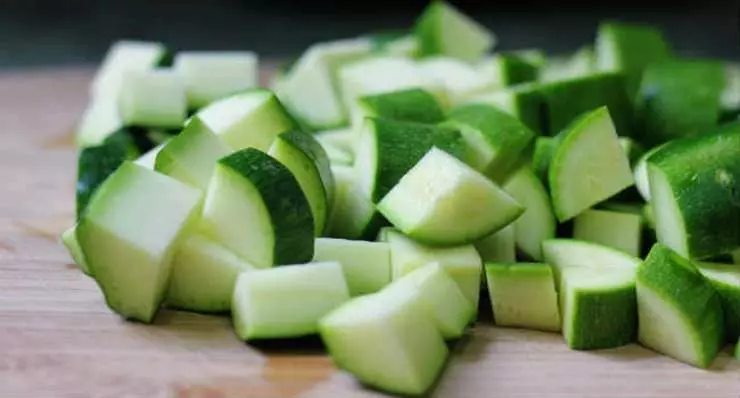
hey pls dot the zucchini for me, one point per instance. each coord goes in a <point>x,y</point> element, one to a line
<point>132,264</point>
<point>523,296</point>
<point>523,101</point>
<point>588,165</point>
<point>680,314</point>
<point>386,340</point>
<point>69,239</point>
<point>409,105</point>
<point>152,98</point>
<point>619,230</point>
<point>353,215</point>
<point>508,70</point>
<point>307,160</point>
<point>542,156</point>
<point>366,265</point>
<point>99,120</point>
<point>497,141</point>
<point>203,276</point>
<point>725,278</point>
<point>441,297</point>
<point>498,247</point>
<point>537,223</point>
<point>191,156</point>
<point>460,79</point>
<point>388,149</point>
<point>255,207</point>
<point>437,202</point>
<point>124,56</point>
<point>462,263</point>
<point>249,119</point>
<point>443,29</point>
<point>579,63</point>
<point>695,193</point>
<point>209,75</point>
<point>640,172</point>
<point>265,301</point>
<point>400,43</point>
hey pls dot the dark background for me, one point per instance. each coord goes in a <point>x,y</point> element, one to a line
<point>65,32</point>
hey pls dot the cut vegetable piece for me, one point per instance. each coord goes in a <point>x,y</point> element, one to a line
<point>588,165</point>
<point>598,307</point>
<point>343,138</point>
<point>96,163</point>
<point>523,101</point>
<point>580,63</point>
<point>498,247</point>
<point>497,141</point>
<point>523,296</point>
<point>130,263</point>
<point>353,215</point>
<point>203,276</point>
<point>255,208</point>
<point>680,314</point>
<point>399,43</point>
<point>568,99</point>
<point>191,156</point>
<point>695,191</point>
<point>442,299</point>
<point>537,223</point>
<point>629,48</point>
<point>508,69</point>
<point>642,182</point>
<point>99,120</point>
<point>679,98</point>
<point>124,56</point>
<point>210,75</point>
<point>438,202</point>
<point>385,74</point>
<point>149,159</point>
<point>725,279</point>
<point>409,105</point>
<point>69,239</point>
<point>366,265</point>
<point>462,263</point>
<point>542,156</point>
<point>386,340</point>
<point>443,29</point>
<point>619,230</point>
<point>307,160</point>
<point>459,79</point>
<point>153,98</point>
<point>265,301</point>
<point>388,149</point>
<point>311,90</point>
<point>566,253</point>
<point>249,119</point>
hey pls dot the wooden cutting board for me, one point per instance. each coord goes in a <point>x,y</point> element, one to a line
<point>58,339</point>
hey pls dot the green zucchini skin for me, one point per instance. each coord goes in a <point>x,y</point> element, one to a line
<point>411,105</point>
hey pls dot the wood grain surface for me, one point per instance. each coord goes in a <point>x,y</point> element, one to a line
<point>58,339</point>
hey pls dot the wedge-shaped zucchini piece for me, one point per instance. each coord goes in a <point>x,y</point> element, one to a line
<point>366,265</point>
<point>353,215</point>
<point>462,263</point>
<point>130,263</point>
<point>203,276</point>
<point>726,281</point>
<point>388,149</point>
<point>100,119</point>
<point>497,141</point>
<point>597,293</point>
<point>265,301</point>
<point>438,202</point>
<point>212,75</point>
<point>620,230</point>
<point>695,192</point>
<point>629,48</point>
<point>442,299</point>
<point>124,56</point>
<point>386,340</point>
<point>680,314</point>
<point>255,208</point>
<point>152,98</point>
<point>499,247</point>
<point>537,223</point>
<point>509,69</point>
<point>460,79</point>
<point>341,138</point>
<point>307,160</point>
<point>523,101</point>
<point>588,165</point>
<point>409,105</point>
<point>249,119</point>
<point>443,29</point>
<point>640,171</point>
<point>579,63</point>
<point>191,156</point>
<point>69,239</point>
<point>311,89</point>
<point>542,156</point>
<point>523,296</point>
